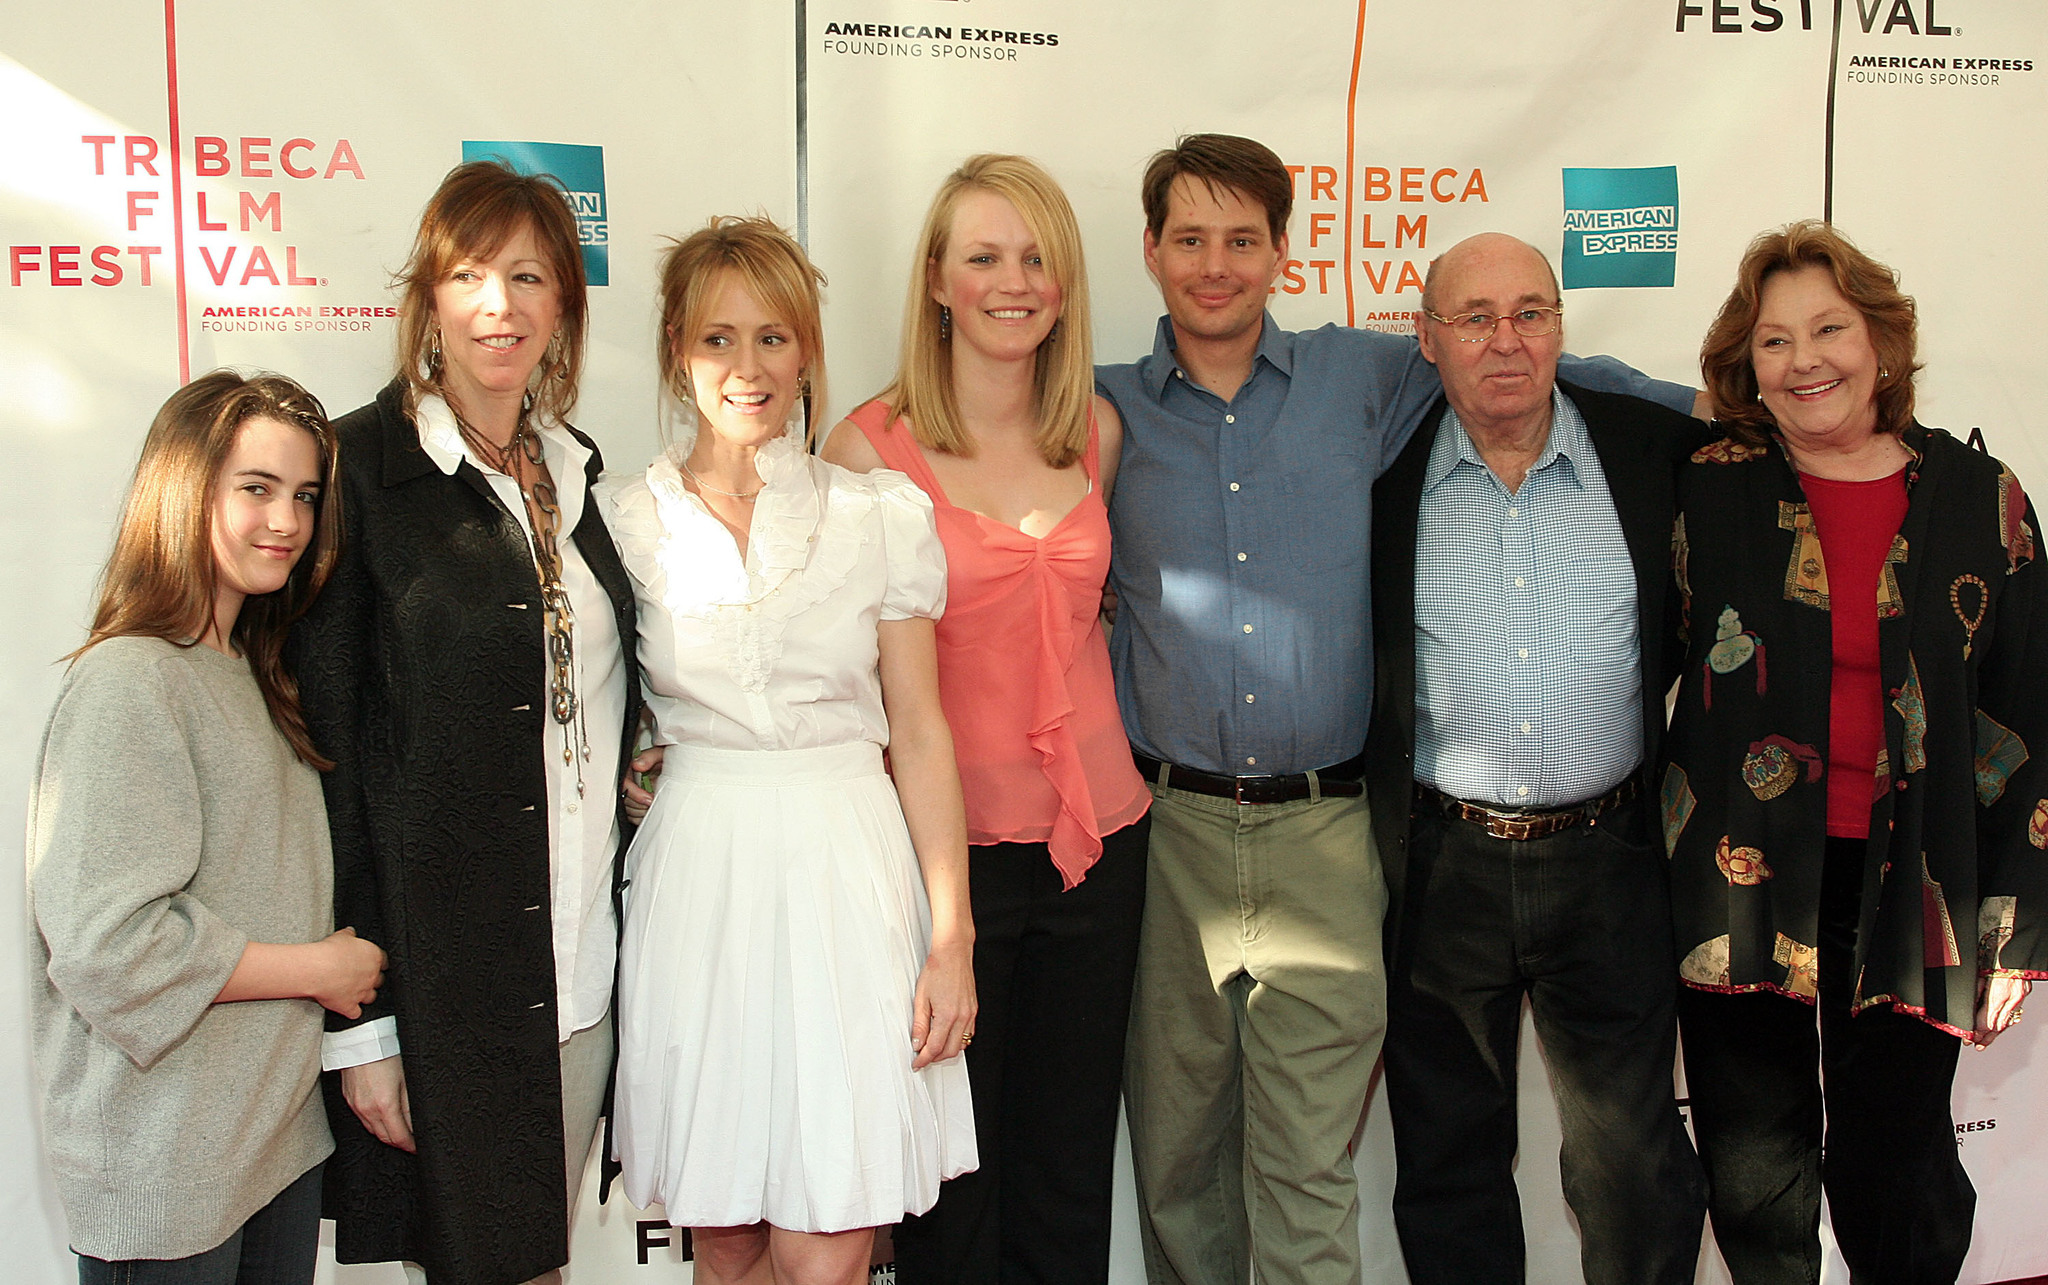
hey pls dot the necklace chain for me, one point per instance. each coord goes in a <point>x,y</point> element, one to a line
<point>703,485</point>
<point>558,618</point>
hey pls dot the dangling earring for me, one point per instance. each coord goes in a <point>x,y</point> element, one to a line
<point>434,356</point>
<point>799,410</point>
<point>1054,333</point>
<point>945,323</point>
<point>556,358</point>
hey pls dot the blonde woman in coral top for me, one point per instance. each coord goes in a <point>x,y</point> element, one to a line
<point>993,412</point>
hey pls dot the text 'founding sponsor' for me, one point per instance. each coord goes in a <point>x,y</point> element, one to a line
<point>1871,69</point>
<point>932,42</point>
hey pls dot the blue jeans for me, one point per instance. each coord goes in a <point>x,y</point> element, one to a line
<point>277,1246</point>
<point>1580,923</point>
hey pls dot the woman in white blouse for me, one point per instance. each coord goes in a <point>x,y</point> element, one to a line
<point>796,975</point>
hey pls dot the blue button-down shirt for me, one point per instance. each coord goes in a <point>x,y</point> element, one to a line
<point>1528,682</point>
<point>1241,530</point>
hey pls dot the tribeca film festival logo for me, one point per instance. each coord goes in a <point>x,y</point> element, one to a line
<point>142,163</point>
<point>1620,227</point>
<point>580,170</point>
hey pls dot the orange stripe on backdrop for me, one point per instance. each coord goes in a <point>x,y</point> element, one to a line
<point>1350,147</point>
<point>178,187</point>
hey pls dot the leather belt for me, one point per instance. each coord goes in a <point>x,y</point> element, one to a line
<point>1340,780</point>
<point>1502,824</point>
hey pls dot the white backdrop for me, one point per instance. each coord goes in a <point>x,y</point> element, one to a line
<point>1413,123</point>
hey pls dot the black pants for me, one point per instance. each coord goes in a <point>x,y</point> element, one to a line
<point>1899,1199</point>
<point>1053,972</point>
<point>1580,923</point>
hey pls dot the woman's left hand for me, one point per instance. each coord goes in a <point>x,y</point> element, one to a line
<point>942,1011</point>
<point>1998,1007</point>
<point>647,763</point>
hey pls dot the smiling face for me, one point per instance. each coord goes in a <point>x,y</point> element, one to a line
<point>744,365</point>
<point>264,503</point>
<point>1215,259</point>
<point>992,275</point>
<point>1815,364</point>
<point>496,316</point>
<point>1501,385</point>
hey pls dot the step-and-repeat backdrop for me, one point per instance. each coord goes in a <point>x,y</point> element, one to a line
<point>185,185</point>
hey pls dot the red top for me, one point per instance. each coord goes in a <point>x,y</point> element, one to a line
<point>1024,668</point>
<point>1856,522</point>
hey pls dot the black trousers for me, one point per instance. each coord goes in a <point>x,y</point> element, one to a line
<point>1052,971</point>
<point>1579,923</point>
<point>1873,1127</point>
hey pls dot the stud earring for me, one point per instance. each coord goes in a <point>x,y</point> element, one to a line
<point>1883,373</point>
<point>945,323</point>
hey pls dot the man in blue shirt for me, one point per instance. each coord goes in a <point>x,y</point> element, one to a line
<point>1244,667</point>
<point>1522,548</point>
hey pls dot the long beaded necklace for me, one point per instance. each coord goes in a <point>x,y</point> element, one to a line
<point>558,618</point>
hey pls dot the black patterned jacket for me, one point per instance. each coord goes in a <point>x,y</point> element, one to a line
<point>421,671</point>
<point>1955,880</point>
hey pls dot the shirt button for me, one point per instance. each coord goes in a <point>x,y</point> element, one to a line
<point>1233,486</point>
<point>1249,698</point>
<point>1240,557</point>
<point>1251,762</point>
<point>1514,512</point>
<point>1180,374</point>
<point>1520,583</point>
<point>1523,653</point>
<point>573,809</point>
<point>1247,628</point>
<point>1522,793</point>
<point>1230,419</point>
<point>1525,729</point>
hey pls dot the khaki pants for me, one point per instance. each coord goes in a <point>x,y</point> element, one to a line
<point>1255,1024</point>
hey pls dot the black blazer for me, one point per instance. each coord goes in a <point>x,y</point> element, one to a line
<point>422,675</point>
<point>1640,445</point>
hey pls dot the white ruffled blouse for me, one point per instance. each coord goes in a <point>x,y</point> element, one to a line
<point>776,652</point>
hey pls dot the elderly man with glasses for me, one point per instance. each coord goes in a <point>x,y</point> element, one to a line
<point>1521,547</point>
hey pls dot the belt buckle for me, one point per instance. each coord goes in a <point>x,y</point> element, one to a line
<point>1237,789</point>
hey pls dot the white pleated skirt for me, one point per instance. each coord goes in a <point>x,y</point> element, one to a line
<point>776,922</point>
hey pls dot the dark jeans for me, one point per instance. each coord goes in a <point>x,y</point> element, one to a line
<point>277,1246</point>
<point>1900,1202</point>
<point>1052,971</point>
<point>1580,923</point>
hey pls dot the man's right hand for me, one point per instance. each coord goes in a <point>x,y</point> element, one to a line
<point>376,1093</point>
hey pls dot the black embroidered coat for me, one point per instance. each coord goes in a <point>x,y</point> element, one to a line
<point>1955,880</point>
<point>421,671</point>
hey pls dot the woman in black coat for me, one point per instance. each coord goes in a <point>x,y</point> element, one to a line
<point>465,671</point>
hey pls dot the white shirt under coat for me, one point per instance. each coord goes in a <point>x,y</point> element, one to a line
<point>583,830</point>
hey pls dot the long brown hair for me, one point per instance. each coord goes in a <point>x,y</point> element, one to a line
<point>773,268</point>
<point>1064,374</point>
<point>478,207</point>
<point>1869,286</point>
<point>161,580</point>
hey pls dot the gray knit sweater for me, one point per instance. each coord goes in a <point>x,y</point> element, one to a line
<point>170,824</point>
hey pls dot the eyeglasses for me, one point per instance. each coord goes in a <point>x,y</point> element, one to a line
<point>1478,327</point>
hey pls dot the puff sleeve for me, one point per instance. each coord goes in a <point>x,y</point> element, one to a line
<point>910,537</point>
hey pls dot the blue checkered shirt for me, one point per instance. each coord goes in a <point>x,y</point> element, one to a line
<point>1528,678</point>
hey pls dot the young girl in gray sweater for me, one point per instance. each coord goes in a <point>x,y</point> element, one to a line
<point>179,878</point>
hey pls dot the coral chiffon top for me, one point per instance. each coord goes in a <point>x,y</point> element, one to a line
<point>1024,668</point>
